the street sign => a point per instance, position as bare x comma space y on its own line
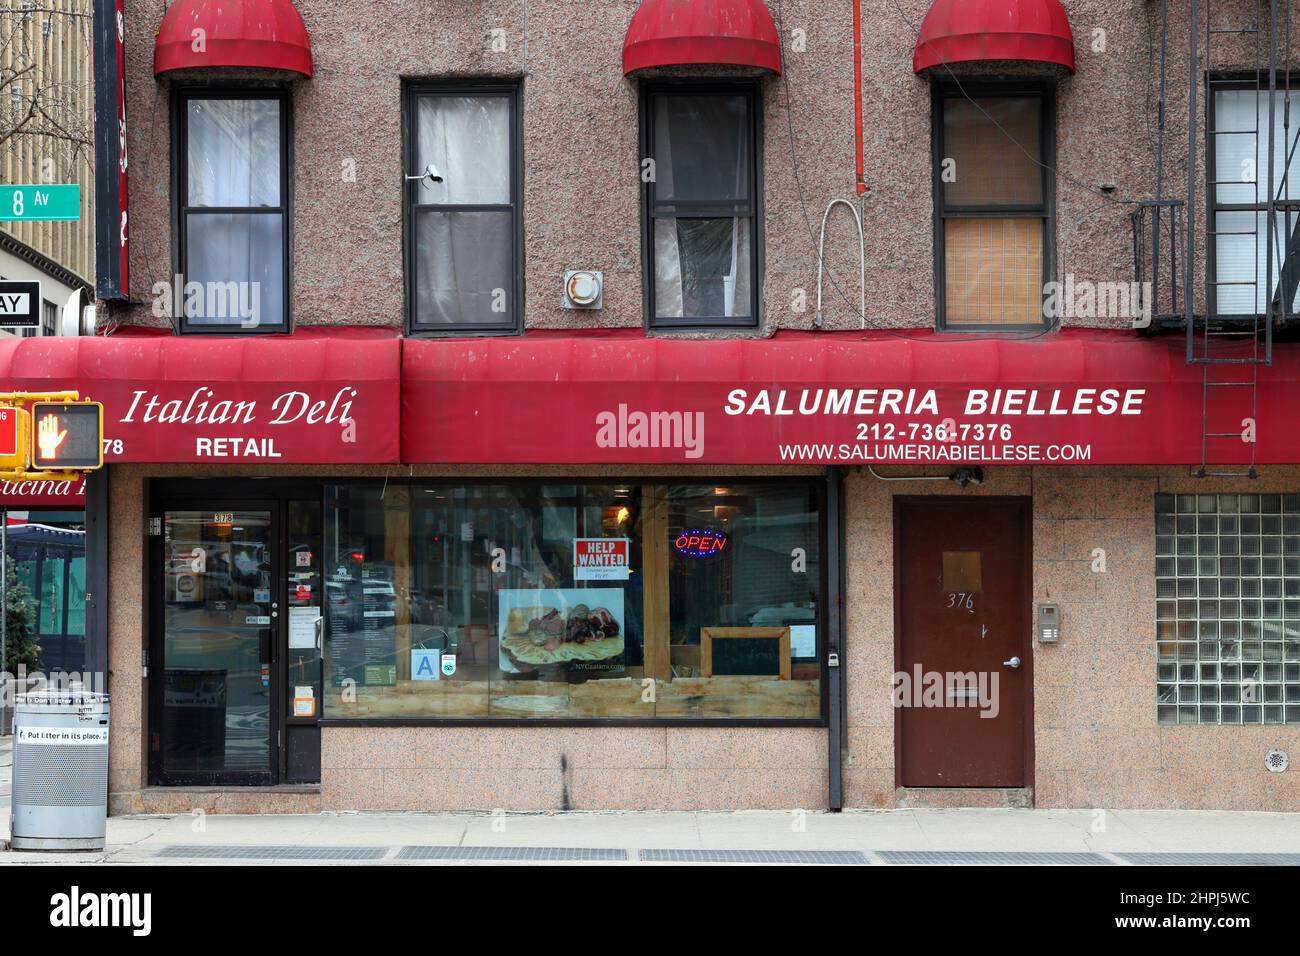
54, 203
20, 304
67, 435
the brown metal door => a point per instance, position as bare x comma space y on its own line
962, 692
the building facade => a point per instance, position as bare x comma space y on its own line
504, 410
46, 136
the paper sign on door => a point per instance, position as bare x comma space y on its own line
304, 701
302, 626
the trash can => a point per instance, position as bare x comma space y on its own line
60, 771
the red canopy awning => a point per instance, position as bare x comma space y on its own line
700, 33
318, 396
965, 31
1076, 397
262, 34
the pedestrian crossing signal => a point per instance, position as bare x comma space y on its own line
67, 435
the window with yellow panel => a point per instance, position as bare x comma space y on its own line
993, 200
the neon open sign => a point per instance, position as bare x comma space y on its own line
701, 542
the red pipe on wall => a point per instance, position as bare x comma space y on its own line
857, 93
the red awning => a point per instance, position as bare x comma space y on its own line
263, 34
701, 32
319, 396
964, 31
1076, 397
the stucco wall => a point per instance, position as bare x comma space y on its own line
1097, 743
581, 186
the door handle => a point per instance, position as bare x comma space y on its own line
1013, 663
264, 645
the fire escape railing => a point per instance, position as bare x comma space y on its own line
1157, 238
1230, 323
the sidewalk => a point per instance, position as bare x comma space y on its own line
893, 837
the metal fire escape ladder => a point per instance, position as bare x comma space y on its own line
1228, 347
1287, 199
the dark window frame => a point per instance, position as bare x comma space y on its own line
182, 95
49, 308
752, 91
1229, 81
412, 92
1045, 92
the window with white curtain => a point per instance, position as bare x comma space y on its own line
234, 252
462, 199
701, 201
1239, 186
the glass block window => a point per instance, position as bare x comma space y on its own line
1228, 609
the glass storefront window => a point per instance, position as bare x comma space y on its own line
547, 599
48, 550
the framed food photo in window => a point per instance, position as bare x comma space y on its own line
702, 236
232, 161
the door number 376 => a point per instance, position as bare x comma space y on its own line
961, 599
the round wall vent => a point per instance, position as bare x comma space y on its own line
1276, 760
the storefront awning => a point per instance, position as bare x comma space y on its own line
674, 33
913, 398
262, 34
967, 31
319, 396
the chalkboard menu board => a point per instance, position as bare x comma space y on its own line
752, 655
745, 652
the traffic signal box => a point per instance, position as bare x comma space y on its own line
14, 438
65, 436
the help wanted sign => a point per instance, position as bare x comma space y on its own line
602, 559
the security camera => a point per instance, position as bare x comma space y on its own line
430, 175
968, 476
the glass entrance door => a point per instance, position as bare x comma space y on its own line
220, 612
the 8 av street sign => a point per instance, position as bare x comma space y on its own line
60, 203
20, 304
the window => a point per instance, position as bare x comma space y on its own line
552, 599
1228, 609
463, 224
993, 193
233, 217
702, 206
47, 554
49, 318
1239, 201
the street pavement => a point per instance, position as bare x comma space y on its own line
1124, 837
1117, 837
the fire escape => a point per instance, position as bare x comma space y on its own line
1250, 260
